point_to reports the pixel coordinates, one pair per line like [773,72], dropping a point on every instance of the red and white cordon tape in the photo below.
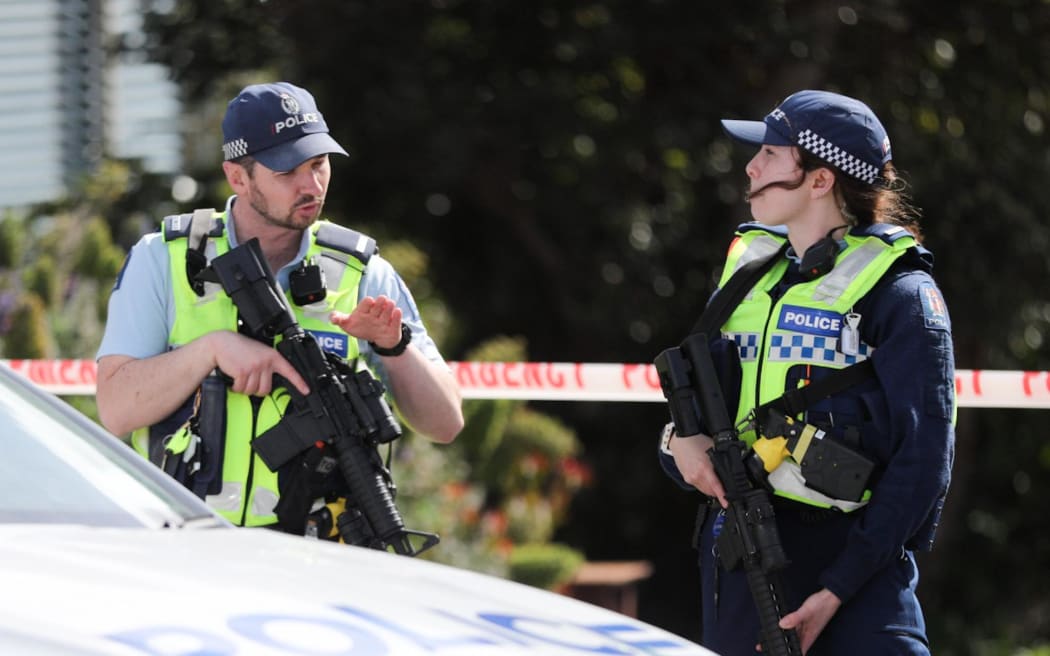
[582,381]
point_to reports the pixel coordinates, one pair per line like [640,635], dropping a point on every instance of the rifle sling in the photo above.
[794,402]
[743,279]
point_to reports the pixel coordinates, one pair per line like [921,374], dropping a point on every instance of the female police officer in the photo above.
[851,283]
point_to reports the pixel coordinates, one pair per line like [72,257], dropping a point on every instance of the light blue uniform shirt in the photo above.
[142,304]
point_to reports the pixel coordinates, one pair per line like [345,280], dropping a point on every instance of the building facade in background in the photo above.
[70,96]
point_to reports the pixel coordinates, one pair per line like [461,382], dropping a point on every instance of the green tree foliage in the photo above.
[96,255]
[544,566]
[499,493]
[10,240]
[58,263]
[27,335]
[562,166]
[41,279]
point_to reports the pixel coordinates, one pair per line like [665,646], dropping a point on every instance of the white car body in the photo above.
[100,553]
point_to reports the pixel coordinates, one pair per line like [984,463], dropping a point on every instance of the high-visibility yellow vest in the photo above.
[249,491]
[801,327]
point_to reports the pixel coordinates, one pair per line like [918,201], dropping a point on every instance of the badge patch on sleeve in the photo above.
[337,343]
[934,311]
[809,320]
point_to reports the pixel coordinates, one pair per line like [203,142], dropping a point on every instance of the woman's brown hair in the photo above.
[885,201]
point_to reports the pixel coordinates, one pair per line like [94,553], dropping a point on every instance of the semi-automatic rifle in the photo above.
[344,412]
[749,536]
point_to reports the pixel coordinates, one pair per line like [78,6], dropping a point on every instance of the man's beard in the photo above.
[289,221]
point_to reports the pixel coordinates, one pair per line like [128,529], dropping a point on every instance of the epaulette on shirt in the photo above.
[345,240]
[177,226]
[917,256]
[887,232]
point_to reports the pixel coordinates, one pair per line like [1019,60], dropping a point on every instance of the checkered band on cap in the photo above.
[234,149]
[836,156]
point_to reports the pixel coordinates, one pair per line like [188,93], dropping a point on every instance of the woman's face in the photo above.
[774,190]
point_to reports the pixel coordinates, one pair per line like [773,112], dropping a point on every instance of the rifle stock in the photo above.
[749,536]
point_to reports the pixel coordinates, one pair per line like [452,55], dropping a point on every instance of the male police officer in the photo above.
[164,336]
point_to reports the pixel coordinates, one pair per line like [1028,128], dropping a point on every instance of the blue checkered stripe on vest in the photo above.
[814,349]
[746,344]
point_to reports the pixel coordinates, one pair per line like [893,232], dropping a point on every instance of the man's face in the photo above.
[292,199]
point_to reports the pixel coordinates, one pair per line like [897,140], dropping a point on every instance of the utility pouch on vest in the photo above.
[210,424]
[193,453]
[828,466]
